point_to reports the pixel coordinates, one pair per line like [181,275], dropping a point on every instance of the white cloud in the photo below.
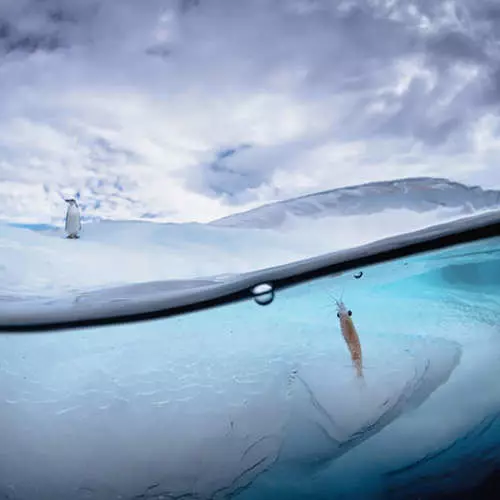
[130,103]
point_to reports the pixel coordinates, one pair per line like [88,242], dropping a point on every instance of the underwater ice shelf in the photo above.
[251,402]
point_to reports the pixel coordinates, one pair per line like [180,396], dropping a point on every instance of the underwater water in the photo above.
[258,399]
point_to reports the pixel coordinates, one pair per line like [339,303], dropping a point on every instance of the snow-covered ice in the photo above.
[37,261]
[246,401]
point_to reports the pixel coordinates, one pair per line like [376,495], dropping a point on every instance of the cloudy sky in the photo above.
[194,109]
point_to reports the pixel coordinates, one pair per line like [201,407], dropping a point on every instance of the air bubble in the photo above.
[263,294]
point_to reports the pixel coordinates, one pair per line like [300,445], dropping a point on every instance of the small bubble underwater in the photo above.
[263,294]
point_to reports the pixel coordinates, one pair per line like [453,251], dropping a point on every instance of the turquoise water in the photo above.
[254,402]
[34,227]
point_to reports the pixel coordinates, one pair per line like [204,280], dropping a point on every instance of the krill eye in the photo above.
[349,313]
[338,315]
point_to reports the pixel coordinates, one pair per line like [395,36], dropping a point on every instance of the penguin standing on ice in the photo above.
[73,224]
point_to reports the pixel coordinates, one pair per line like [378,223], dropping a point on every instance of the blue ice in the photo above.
[253,402]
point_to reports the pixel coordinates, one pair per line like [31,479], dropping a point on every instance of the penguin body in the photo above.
[73,223]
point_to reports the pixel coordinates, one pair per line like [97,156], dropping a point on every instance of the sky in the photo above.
[189,110]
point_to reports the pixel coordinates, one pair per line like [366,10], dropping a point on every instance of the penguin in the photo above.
[73,224]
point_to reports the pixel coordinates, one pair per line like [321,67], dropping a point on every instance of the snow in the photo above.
[41,262]
[112,253]
[414,195]
[246,401]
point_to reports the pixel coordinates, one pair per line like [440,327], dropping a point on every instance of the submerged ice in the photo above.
[203,405]
[253,402]
[243,401]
